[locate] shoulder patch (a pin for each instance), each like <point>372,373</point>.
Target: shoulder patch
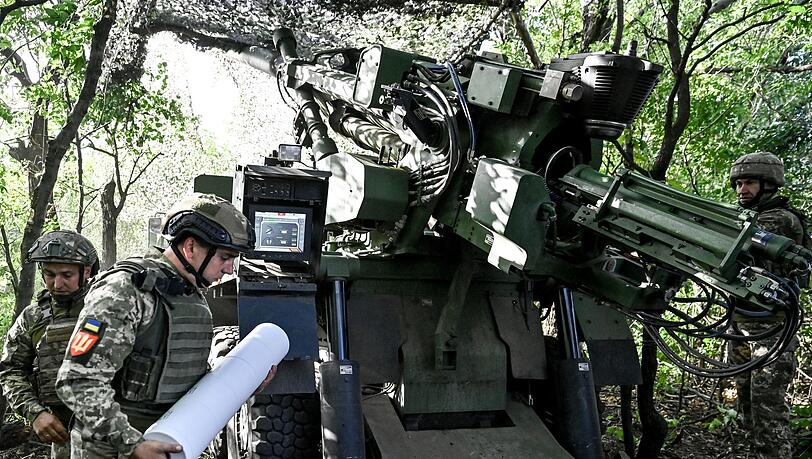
<point>85,339</point>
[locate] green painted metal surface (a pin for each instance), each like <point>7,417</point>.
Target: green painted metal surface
<point>220,185</point>
<point>493,86</point>
<point>515,204</point>
<point>360,189</point>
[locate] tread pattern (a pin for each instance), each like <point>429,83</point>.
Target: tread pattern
<point>282,426</point>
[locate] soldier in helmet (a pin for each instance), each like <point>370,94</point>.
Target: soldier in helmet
<point>36,342</point>
<point>144,336</point>
<point>757,178</point>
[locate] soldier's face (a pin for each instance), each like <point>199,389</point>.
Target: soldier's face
<point>62,278</point>
<point>747,190</point>
<point>221,263</point>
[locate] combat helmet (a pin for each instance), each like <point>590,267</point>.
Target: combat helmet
<point>65,246</point>
<point>211,219</point>
<point>758,165</point>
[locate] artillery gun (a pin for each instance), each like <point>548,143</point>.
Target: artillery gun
<point>412,274</point>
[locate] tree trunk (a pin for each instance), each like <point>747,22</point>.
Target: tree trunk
<point>109,224</point>
<point>653,425</point>
<point>43,193</point>
<point>597,23</point>
<point>675,124</point>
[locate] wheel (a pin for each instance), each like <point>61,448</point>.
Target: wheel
<point>283,426</point>
<point>225,338</point>
<point>267,426</point>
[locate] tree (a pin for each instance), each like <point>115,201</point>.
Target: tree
<point>64,60</point>
<point>133,121</point>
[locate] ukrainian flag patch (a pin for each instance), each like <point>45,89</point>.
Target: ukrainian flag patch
<point>84,341</point>
<point>92,325</point>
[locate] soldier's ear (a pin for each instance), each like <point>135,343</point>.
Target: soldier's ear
<point>187,247</point>
<point>88,270</point>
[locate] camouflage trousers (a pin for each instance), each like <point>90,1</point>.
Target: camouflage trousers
<point>60,450</point>
<point>83,447</point>
<point>762,393</point>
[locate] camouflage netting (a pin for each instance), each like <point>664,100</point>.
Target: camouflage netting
<point>434,28</point>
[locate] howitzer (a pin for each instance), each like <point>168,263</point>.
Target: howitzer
<point>473,206</point>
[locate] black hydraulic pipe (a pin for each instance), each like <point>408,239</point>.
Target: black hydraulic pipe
<point>342,419</point>
<point>577,403</point>
<point>569,326</point>
<point>340,345</point>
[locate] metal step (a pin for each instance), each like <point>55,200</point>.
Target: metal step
<point>528,438</point>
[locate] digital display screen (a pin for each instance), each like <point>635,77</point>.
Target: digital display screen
<point>280,231</point>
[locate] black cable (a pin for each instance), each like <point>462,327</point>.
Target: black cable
<point>691,326</point>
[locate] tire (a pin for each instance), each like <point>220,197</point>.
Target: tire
<point>225,338</point>
<point>267,426</point>
<point>285,426</point>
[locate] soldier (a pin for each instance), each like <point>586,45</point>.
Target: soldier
<point>37,340</point>
<point>144,336</point>
<point>756,178</point>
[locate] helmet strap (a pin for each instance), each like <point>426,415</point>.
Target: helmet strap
<point>197,273</point>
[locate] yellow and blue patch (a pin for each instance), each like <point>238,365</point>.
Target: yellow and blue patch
<point>92,325</point>
<point>85,339</point>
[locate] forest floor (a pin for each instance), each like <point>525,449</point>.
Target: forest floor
<point>700,427</point>
<point>703,423</point>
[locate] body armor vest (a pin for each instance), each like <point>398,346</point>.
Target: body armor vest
<point>170,356</point>
<point>50,350</point>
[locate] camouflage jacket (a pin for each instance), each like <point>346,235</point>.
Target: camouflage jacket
<point>19,353</point>
<point>776,215</point>
<point>118,312</point>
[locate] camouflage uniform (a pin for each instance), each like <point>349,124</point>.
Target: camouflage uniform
<point>37,340</point>
<point>17,365</point>
<point>91,387</point>
<point>116,376</point>
<point>762,392</point>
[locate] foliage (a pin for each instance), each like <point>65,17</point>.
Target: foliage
<point>802,426</point>
<point>727,417</point>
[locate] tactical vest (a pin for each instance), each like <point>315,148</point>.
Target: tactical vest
<point>781,202</point>
<point>50,351</point>
<point>170,356</point>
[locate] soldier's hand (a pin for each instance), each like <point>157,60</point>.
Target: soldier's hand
<point>266,381</point>
<point>49,428</point>
<point>151,449</point>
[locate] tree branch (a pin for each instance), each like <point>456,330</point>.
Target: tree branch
<point>482,31</point>
<point>97,149</point>
<point>80,182</point>
<point>729,39</point>
<point>527,40</point>
<point>618,28</point>
<point>7,253</point>
<point>92,75</point>
<point>143,169</point>
<point>768,68</point>
<point>6,10</point>
<point>22,73</point>
<point>743,18</point>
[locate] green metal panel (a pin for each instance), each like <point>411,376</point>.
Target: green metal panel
<point>511,202</point>
<point>362,190</point>
<point>493,86</point>
<point>220,185</point>
<point>378,67</point>
<point>517,137</point>
<point>667,223</point>
<point>478,381</point>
